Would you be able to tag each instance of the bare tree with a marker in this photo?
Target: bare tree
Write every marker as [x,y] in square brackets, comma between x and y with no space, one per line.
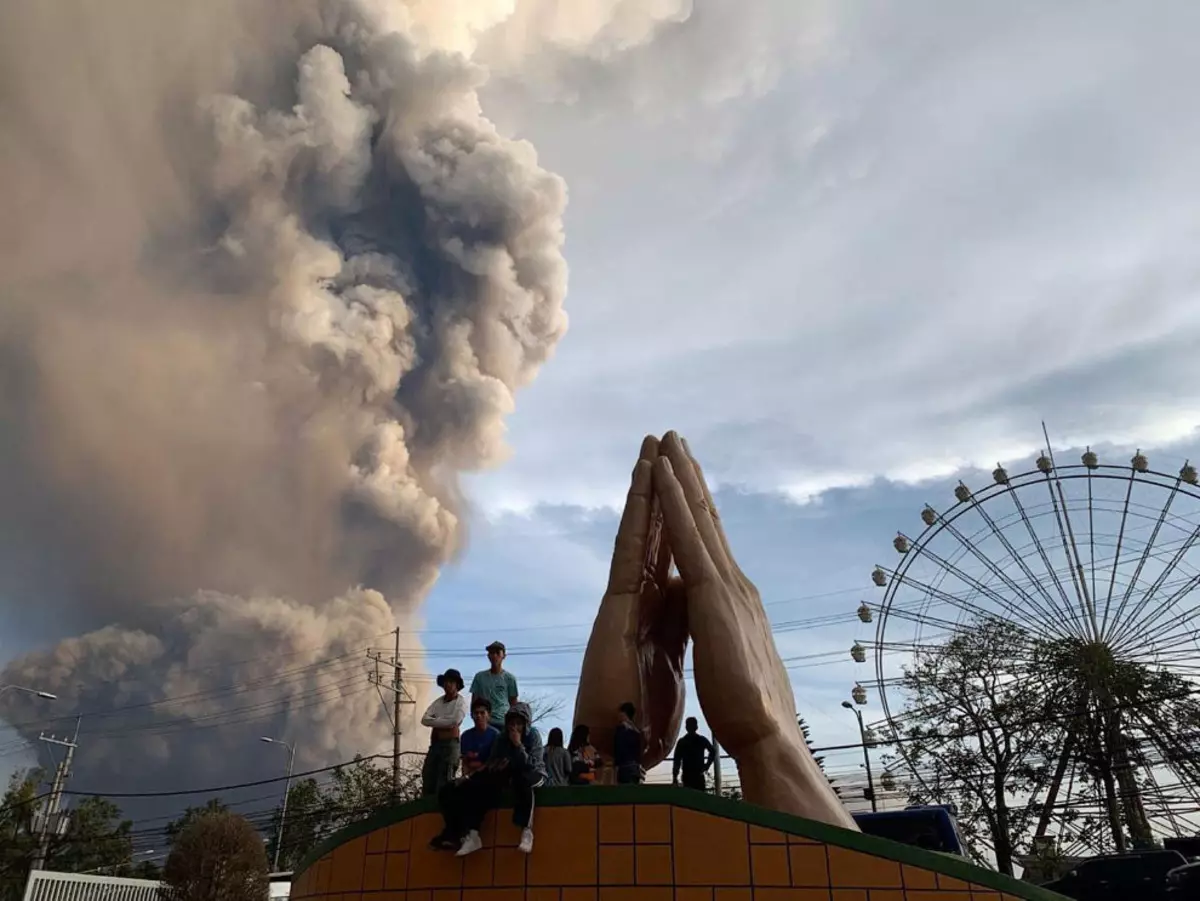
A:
[544,706]
[217,857]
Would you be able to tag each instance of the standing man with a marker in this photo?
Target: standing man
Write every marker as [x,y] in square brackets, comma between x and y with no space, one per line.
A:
[628,743]
[694,754]
[444,717]
[496,684]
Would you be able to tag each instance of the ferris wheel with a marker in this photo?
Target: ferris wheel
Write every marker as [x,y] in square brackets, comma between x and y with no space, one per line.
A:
[1094,568]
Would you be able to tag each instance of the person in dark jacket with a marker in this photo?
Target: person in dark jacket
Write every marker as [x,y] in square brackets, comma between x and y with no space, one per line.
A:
[516,762]
[627,747]
[694,754]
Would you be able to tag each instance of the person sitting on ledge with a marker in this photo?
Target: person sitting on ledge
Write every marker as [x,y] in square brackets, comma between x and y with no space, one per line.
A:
[583,756]
[516,762]
[477,741]
[558,759]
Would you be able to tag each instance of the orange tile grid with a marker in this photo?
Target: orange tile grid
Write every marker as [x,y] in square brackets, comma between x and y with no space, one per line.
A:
[653,852]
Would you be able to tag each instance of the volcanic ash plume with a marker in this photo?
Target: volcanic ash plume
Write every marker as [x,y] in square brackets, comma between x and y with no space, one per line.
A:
[268,280]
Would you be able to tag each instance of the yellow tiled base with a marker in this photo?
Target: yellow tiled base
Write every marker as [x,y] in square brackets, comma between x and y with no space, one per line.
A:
[654,851]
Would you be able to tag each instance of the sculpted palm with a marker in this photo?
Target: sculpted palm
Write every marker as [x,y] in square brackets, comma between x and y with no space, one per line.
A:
[741,683]
[637,645]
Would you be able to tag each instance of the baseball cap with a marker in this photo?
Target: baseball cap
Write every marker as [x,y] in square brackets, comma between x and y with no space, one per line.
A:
[496,646]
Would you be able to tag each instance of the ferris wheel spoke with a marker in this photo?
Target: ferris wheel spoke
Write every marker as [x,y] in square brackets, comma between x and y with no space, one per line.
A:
[946,597]
[1143,630]
[1116,557]
[1136,617]
[1067,535]
[1059,615]
[1068,607]
[1147,548]
[1045,617]
[1005,603]
[1159,735]
[1091,508]
[1060,769]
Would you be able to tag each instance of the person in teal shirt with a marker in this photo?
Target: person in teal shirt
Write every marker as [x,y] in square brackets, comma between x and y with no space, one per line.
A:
[496,684]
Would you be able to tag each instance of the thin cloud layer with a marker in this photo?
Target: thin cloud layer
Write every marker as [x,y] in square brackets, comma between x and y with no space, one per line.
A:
[949,226]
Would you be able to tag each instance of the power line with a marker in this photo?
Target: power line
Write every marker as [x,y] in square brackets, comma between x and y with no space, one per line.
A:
[214,789]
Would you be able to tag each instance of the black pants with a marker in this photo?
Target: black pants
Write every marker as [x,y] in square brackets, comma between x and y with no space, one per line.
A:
[694,780]
[465,804]
[629,774]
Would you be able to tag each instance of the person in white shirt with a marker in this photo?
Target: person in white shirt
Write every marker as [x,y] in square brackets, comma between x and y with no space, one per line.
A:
[443,718]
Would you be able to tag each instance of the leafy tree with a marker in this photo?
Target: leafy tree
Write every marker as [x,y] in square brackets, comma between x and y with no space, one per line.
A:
[18,807]
[355,791]
[146,869]
[97,839]
[216,856]
[307,823]
[1117,710]
[190,815]
[981,732]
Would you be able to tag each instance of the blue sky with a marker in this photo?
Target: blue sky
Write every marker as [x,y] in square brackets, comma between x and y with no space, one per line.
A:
[928,231]
[851,251]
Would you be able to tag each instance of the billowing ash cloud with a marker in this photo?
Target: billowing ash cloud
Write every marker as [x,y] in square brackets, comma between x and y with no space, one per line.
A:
[268,280]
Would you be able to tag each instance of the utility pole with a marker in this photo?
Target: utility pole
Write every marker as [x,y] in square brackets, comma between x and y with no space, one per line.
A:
[397,688]
[51,817]
[400,696]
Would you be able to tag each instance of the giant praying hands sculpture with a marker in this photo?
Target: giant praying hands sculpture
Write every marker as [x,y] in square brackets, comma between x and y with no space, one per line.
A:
[636,650]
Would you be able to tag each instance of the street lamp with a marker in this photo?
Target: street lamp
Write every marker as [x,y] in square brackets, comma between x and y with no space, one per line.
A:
[287,790]
[862,733]
[44,695]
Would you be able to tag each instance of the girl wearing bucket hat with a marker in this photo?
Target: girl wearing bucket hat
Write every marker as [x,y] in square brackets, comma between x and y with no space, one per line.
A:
[444,717]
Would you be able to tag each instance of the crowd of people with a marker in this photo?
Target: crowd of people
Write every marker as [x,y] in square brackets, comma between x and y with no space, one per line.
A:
[469,769]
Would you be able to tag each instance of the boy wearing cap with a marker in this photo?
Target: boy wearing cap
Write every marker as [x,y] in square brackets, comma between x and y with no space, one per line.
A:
[496,684]
[443,718]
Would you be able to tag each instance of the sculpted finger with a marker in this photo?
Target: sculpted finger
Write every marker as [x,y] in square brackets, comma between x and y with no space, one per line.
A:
[688,547]
[712,505]
[629,551]
[698,498]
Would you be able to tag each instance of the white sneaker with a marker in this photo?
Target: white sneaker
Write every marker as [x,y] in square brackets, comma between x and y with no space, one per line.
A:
[526,841]
[470,845]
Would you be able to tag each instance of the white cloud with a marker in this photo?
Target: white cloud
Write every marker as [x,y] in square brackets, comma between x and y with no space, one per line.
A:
[944,228]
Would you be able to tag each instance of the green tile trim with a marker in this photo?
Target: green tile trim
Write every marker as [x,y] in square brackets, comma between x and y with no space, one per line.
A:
[581,796]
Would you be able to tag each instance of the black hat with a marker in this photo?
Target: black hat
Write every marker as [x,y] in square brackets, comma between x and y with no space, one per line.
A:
[496,646]
[451,675]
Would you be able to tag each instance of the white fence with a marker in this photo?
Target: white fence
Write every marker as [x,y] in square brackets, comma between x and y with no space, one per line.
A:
[45,885]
